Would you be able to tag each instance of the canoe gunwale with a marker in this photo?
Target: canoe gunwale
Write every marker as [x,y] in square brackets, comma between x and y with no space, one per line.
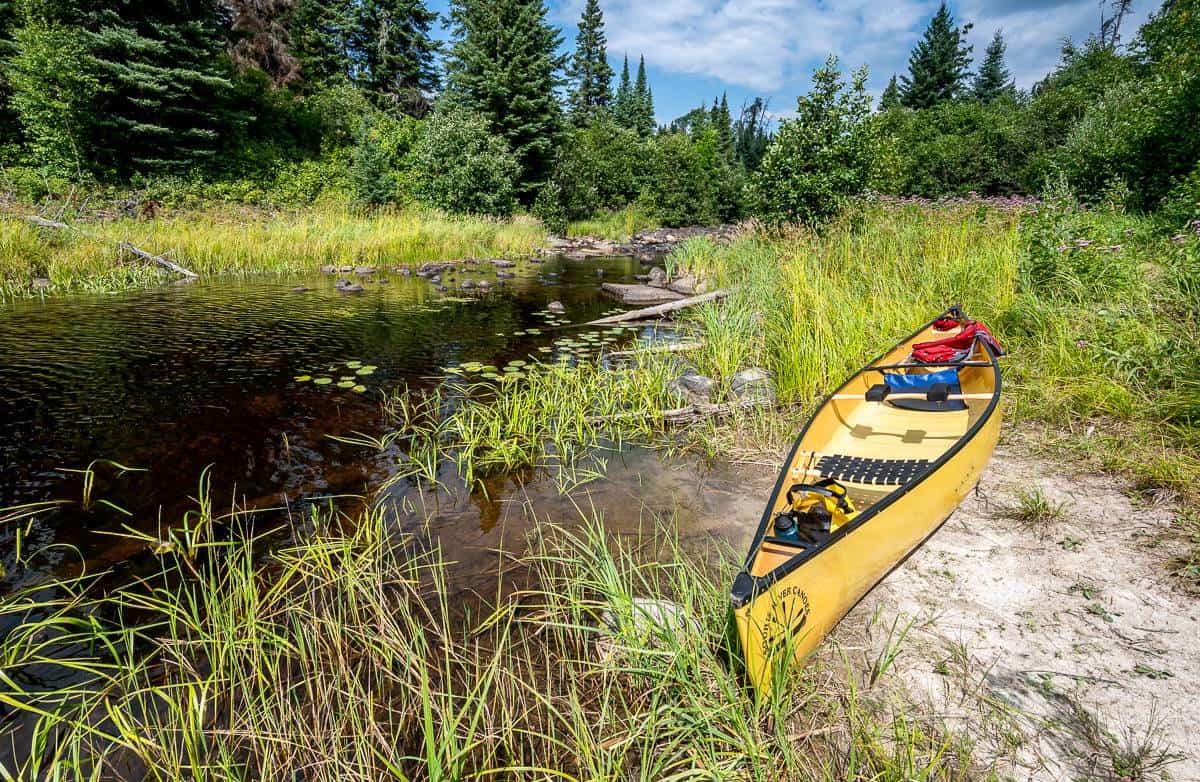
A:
[747,587]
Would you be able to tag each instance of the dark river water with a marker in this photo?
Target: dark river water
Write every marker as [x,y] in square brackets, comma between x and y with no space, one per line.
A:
[182,378]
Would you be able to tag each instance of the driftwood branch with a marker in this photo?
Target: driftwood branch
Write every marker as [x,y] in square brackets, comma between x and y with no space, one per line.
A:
[659,309]
[132,249]
[687,413]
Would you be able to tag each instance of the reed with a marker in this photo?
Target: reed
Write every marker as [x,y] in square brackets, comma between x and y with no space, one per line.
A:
[341,656]
[213,242]
[618,225]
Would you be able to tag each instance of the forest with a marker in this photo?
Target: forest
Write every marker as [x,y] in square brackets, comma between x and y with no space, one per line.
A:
[296,102]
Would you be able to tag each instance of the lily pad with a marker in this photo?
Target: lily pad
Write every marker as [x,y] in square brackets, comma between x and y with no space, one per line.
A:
[366,371]
[359,389]
[516,362]
[323,381]
[490,376]
[302,378]
[353,364]
[346,384]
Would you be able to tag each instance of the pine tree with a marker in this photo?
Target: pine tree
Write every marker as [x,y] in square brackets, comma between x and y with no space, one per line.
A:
[890,99]
[643,103]
[623,111]
[993,80]
[504,65]
[164,96]
[590,73]
[320,35]
[938,65]
[394,53]
[722,123]
[751,133]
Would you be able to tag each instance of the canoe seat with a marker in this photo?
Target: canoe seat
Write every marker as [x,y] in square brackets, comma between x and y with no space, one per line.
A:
[876,472]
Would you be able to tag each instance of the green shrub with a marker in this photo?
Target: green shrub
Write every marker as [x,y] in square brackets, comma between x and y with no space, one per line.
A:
[379,173]
[822,157]
[461,166]
[680,189]
[598,166]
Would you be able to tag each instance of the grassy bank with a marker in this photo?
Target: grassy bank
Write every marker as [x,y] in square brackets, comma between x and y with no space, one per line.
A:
[342,657]
[241,241]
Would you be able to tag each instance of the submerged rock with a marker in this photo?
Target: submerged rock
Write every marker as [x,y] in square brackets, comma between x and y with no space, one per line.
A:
[640,294]
[505,275]
[351,288]
[468,285]
[301,289]
[753,385]
[500,263]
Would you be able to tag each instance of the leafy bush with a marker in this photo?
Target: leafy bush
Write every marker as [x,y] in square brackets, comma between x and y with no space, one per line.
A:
[379,173]
[822,157]
[599,166]
[461,166]
[680,188]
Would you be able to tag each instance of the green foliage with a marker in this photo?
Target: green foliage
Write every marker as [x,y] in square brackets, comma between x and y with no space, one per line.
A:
[623,109]
[751,134]
[504,66]
[379,173]
[462,166]
[642,103]
[320,36]
[394,53]
[955,148]
[599,167]
[590,73]
[890,99]
[937,67]
[53,89]
[993,81]
[691,181]
[822,157]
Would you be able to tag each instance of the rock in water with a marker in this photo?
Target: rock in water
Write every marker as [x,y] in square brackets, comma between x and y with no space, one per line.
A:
[556,307]
[753,385]
[694,386]
[467,285]
[640,294]
[657,278]
[40,283]
[685,285]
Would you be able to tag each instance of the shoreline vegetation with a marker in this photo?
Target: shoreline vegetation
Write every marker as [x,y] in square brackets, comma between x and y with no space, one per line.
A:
[342,653]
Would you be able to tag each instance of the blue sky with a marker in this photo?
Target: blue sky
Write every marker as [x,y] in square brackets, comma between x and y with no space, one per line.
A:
[696,49]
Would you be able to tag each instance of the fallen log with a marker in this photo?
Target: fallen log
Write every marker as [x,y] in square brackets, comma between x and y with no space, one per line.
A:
[660,309]
[132,249]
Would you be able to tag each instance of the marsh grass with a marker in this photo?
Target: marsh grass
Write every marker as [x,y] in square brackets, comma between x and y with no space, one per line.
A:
[342,656]
[617,225]
[215,242]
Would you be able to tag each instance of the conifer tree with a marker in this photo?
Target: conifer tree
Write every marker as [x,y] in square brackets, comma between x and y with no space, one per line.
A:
[938,65]
[752,134]
[890,99]
[722,123]
[320,35]
[993,80]
[623,111]
[394,53]
[164,96]
[504,65]
[590,73]
[643,102]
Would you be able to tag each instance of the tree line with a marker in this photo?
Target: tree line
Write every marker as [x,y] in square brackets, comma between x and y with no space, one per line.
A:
[292,101]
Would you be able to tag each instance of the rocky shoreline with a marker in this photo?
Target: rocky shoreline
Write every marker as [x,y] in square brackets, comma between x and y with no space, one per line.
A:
[646,245]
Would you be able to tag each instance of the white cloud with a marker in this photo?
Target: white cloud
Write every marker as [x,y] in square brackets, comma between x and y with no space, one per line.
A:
[765,45]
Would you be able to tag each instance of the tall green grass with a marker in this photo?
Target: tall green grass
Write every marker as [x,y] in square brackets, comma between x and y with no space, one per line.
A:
[618,225]
[342,657]
[223,241]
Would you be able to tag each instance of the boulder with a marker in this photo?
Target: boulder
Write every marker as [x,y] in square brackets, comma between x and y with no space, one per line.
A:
[505,275]
[484,285]
[329,268]
[753,385]
[640,294]
[500,263]
[351,288]
[685,285]
[556,307]
[468,285]
[657,278]
[363,271]
[693,386]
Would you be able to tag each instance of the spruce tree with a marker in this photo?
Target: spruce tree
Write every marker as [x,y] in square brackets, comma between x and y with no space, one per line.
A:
[722,123]
[938,65]
[751,133]
[890,99]
[504,65]
[320,35]
[623,111]
[590,73]
[643,103]
[164,95]
[993,80]
[394,53]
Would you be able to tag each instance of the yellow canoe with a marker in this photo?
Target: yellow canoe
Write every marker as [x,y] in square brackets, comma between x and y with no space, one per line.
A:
[904,462]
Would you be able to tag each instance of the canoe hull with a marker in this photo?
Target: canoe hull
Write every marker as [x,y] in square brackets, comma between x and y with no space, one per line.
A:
[781,617]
